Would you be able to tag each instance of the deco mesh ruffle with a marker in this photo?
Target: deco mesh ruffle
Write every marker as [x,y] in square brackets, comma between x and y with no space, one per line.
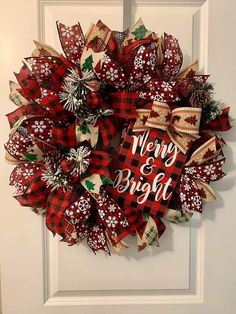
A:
[112,138]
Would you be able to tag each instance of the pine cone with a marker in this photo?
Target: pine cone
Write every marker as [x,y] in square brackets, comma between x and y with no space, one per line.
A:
[200,98]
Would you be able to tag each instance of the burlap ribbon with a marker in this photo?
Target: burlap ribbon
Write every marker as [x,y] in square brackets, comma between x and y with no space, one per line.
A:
[181,124]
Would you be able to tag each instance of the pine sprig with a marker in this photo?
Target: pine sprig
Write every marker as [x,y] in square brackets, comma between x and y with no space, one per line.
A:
[211,111]
[208,87]
[56,179]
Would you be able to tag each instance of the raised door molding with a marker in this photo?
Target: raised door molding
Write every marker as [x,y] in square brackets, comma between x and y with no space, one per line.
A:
[65,279]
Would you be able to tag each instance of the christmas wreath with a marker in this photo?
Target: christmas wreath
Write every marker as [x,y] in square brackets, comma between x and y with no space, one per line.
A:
[113,136]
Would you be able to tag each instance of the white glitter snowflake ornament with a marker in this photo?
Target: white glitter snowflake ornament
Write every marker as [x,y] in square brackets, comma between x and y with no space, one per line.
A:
[56,179]
[81,157]
[75,90]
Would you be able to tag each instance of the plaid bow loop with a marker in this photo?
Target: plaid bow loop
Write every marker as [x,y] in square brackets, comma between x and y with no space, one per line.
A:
[123,104]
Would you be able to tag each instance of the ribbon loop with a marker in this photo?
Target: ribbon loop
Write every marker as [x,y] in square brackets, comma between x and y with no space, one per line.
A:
[99,162]
[202,168]
[123,104]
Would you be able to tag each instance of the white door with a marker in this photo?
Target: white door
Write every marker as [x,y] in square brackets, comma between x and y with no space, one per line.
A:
[194,269]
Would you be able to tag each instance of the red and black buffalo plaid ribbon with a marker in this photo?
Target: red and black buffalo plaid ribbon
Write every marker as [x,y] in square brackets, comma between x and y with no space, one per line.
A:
[57,202]
[107,125]
[60,72]
[37,192]
[94,100]
[134,218]
[123,104]
[26,111]
[99,162]
[221,123]
[56,109]
[29,86]
[107,129]
[65,136]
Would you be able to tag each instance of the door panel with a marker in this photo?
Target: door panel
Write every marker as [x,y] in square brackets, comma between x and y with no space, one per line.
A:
[77,269]
[42,275]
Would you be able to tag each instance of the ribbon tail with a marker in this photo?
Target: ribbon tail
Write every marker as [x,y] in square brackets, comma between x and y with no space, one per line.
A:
[150,236]
[97,239]
[207,193]
[182,140]
[111,216]
[207,151]
[57,203]
[73,43]
[76,217]
[70,231]
[176,216]
[190,195]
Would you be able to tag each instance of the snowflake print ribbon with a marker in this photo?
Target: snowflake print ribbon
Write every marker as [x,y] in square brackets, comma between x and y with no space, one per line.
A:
[182,124]
[202,168]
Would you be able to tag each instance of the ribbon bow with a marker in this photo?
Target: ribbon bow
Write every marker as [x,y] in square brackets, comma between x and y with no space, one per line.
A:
[181,124]
[84,217]
[202,168]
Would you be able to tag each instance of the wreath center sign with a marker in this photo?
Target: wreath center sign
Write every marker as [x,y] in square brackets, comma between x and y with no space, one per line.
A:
[113,85]
[158,185]
[154,164]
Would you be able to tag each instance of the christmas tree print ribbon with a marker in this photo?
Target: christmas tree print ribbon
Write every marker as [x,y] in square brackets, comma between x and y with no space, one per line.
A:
[149,232]
[181,124]
[177,216]
[202,168]
[138,32]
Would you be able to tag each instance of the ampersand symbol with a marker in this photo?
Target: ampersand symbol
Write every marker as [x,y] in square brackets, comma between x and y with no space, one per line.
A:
[147,168]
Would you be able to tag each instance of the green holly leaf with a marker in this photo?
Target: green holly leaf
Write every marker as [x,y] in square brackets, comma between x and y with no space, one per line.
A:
[84,128]
[106,180]
[88,64]
[90,185]
[31,157]
[140,32]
